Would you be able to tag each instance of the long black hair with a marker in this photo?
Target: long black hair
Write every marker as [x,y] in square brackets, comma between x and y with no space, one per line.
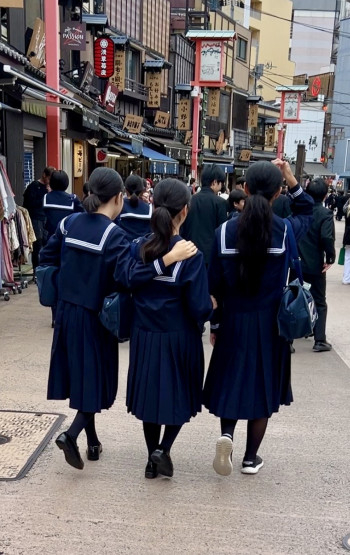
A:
[104,183]
[254,233]
[170,196]
[134,185]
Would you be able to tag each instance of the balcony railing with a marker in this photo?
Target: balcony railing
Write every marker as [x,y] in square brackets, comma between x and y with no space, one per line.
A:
[138,90]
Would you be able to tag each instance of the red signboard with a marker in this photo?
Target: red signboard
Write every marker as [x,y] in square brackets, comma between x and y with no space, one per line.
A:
[104,57]
[316,86]
[110,97]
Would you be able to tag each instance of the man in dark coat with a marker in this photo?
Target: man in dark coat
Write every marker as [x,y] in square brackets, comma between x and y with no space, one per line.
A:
[33,201]
[317,252]
[207,211]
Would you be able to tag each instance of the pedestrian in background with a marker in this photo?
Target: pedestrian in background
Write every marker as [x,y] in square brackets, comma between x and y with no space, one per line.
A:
[166,353]
[317,253]
[236,202]
[207,212]
[88,248]
[340,202]
[249,374]
[346,244]
[135,217]
[33,201]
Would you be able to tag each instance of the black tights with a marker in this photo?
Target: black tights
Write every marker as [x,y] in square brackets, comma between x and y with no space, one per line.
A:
[84,420]
[152,436]
[255,434]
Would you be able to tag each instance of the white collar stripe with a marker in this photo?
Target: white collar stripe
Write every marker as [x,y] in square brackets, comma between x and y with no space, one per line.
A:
[171,278]
[139,216]
[92,246]
[272,250]
[49,205]
[157,267]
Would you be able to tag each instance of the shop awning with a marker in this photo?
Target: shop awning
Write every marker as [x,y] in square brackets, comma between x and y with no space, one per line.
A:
[228,168]
[159,163]
[316,168]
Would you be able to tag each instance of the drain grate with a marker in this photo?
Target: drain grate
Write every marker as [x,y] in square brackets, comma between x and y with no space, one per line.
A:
[23,435]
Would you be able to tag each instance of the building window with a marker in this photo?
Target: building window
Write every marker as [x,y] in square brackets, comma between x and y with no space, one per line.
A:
[242,46]
[3,15]
[132,70]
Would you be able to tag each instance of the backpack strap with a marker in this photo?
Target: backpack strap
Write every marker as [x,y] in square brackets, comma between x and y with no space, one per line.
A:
[67,222]
[293,254]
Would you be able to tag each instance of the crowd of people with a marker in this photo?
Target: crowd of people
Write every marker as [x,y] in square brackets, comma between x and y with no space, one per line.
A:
[187,254]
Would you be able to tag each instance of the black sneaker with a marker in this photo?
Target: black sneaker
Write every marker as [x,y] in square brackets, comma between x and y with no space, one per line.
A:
[321,346]
[252,467]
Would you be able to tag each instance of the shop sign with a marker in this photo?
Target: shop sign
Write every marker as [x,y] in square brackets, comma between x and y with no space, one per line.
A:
[90,120]
[118,78]
[104,57]
[101,155]
[184,115]
[245,155]
[290,106]
[153,82]
[11,3]
[177,153]
[219,145]
[133,124]
[162,119]
[110,97]
[316,86]
[213,103]
[253,115]
[73,36]
[211,60]
[78,159]
[36,50]
[86,80]
[188,138]
[270,136]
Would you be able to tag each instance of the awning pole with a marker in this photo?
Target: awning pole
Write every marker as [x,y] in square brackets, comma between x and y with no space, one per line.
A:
[52,80]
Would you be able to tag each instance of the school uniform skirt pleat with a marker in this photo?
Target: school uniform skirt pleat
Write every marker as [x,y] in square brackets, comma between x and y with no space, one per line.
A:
[165,376]
[249,371]
[84,360]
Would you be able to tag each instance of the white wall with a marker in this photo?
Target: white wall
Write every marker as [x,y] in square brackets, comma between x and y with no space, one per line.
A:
[311,127]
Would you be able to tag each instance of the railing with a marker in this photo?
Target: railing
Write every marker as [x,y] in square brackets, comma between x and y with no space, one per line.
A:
[255,14]
[135,87]
[257,140]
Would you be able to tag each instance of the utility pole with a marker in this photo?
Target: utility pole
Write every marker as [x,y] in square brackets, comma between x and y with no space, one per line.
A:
[300,162]
[53,150]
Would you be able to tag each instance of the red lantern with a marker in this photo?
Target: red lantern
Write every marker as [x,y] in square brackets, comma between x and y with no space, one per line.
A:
[104,57]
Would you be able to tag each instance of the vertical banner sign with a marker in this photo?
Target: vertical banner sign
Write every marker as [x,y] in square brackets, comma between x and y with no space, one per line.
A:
[214,103]
[118,78]
[291,106]
[211,60]
[78,159]
[253,115]
[73,35]
[153,82]
[110,97]
[36,50]
[161,119]
[184,115]
[104,57]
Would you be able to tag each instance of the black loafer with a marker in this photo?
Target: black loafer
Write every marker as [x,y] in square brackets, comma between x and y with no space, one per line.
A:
[163,461]
[93,452]
[151,470]
[70,449]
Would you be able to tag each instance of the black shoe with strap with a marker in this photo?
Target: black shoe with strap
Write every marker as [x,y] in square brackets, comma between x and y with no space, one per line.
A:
[70,449]
[151,470]
[163,461]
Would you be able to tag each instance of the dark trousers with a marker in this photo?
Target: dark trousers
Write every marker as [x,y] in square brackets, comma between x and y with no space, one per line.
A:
[318,291]
[40,234]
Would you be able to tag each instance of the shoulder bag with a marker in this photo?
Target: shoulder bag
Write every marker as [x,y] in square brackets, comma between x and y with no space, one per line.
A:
[297,313]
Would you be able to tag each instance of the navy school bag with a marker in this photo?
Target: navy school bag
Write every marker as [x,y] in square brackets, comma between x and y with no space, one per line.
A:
[297,313]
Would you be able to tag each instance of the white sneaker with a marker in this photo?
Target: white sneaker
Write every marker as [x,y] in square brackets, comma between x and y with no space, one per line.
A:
[222,463]
[252,467]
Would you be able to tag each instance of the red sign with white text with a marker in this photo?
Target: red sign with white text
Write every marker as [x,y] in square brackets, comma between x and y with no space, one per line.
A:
[110,97]
[104,57]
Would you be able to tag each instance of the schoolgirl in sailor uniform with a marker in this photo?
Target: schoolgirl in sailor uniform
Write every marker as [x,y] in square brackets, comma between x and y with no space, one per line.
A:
[88,248]
[58,204]
[166,353]
[135,217]
[250,368]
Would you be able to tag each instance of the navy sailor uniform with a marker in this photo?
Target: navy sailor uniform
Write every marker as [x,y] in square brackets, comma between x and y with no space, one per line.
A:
[84,356]
[166,370]
[250,368]
[135,220]
[57,205]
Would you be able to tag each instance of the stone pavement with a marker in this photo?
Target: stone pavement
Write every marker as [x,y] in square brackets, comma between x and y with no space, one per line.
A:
[298,503]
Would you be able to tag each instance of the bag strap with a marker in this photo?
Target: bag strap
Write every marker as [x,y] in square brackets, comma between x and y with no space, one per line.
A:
[294,257]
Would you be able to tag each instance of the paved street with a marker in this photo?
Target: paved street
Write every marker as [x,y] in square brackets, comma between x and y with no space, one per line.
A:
[297,504]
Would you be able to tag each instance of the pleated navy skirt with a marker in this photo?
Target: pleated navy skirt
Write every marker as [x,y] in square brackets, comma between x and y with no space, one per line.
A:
[84,360]
[249,374]
[165,376]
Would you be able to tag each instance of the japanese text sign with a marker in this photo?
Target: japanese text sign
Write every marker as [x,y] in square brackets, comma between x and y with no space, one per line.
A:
[153,82]
[118,78]
[214,103]
[110,97]
[253,115]
[104,57]
[133,123]
[36,49]
[161,119]
[78,159]
[184,115]
[211,60]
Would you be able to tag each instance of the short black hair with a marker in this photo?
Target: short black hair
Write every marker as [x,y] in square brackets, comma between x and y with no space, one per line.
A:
[236,196]
[240,181]
[212,173]
[59,180]
[317,189]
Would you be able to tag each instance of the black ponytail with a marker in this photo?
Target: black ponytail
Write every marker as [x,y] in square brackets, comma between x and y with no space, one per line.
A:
[255,225]
[134,186]
[104,184]
[170,196]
